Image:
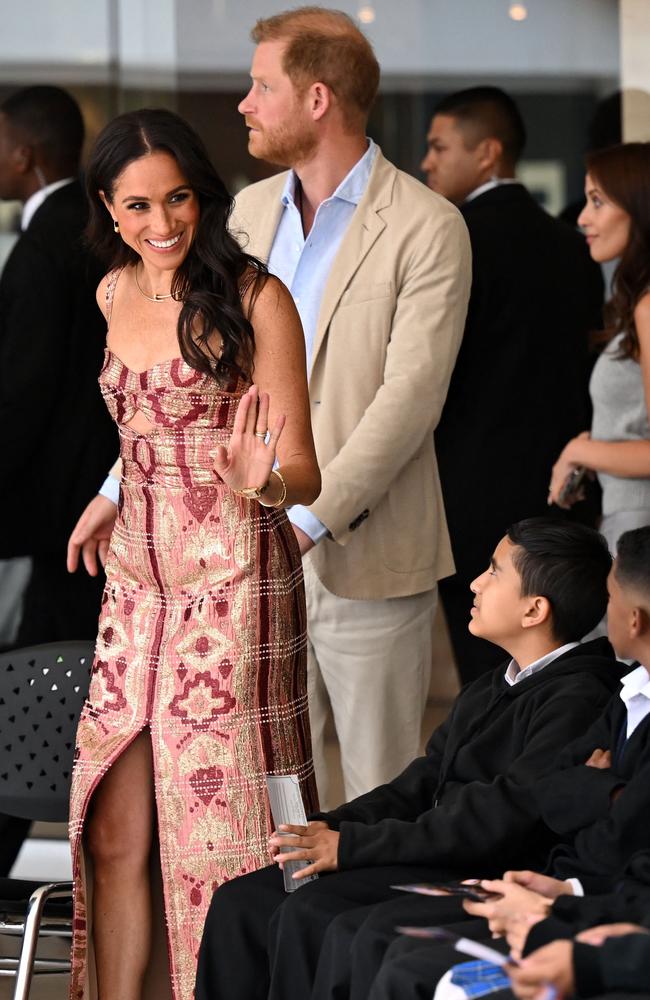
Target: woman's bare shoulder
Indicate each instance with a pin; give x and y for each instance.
(268, 301)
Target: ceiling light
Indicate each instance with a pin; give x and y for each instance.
(366, 14)
(518, 12)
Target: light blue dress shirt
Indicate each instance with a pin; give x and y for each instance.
(304, 263)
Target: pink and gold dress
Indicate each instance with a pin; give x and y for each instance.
(202, 640)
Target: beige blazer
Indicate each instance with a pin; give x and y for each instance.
(389, 329)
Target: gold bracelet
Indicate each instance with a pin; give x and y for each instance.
(283, 497)
(252, 492)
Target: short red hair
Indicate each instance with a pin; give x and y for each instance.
(326, 46)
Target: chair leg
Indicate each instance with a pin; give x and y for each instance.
(35, 907)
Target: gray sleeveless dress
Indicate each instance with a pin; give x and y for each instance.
(620, 413)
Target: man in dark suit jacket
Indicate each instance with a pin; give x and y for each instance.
(520, 386)
(56, 433)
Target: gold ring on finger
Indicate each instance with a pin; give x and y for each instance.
(261, 434)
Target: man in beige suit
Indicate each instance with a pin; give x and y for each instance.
(379, 268)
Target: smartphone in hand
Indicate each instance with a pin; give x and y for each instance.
(466, 890)
(571, 490)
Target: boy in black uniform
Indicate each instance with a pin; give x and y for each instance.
(457, 809)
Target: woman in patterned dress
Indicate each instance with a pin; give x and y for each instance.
(198, 687)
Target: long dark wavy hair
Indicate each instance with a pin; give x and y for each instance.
(216, 272)
(623, 173)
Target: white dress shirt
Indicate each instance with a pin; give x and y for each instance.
(635, 695)
(35, 200)
(494, 182)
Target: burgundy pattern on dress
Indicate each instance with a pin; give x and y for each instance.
(202, 640)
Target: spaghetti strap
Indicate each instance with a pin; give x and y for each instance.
(110, 292)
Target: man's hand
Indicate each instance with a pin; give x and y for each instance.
(315, 843)
(548, 966)
(516, 902)
(305, 543)
(602, 759)
(542, 884)
(92, 534)
(596, 935)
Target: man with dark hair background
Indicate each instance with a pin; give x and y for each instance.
(520, 382)
(57, 437)
(55, 428)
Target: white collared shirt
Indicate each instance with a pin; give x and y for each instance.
(35, 200)
(635, 695)
(494, 182)
(514, 674)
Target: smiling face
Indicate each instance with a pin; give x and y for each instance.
(452, 169)
(499, 609)
(157, 210)
(280, 129)
(606, 225)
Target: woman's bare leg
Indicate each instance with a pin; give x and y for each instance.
(120, 832)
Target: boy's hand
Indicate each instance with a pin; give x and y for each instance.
(548, 966)
(596, 935)
(516, 902)
(543, 884)
(602, 759)
(315, 843)
(518, 931)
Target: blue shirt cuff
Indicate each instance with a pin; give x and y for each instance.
(111, 489)
(307, 522)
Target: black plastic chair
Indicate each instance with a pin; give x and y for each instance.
(42, 690)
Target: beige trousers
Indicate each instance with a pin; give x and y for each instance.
(371, 660)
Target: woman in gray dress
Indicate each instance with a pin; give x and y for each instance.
(616, 222)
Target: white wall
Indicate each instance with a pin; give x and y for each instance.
(576, 37)
(568, 38)
(635, 69)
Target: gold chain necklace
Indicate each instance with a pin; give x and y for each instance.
(152, 298)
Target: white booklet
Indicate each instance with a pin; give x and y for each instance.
(287, 807)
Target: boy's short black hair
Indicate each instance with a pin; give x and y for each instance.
(633, 560)
(492, 114)
(568, 564)
(51, 121)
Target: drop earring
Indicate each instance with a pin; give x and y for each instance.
(116, 226)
